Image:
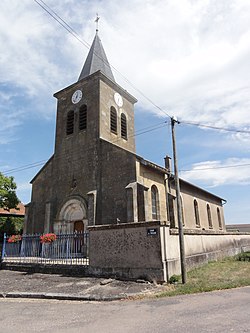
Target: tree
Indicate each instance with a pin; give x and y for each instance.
(8, 197)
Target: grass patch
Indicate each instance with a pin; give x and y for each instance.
(224, 274)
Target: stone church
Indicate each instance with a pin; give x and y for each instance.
(95, 176)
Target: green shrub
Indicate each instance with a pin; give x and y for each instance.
(244, 256)
(174, 279)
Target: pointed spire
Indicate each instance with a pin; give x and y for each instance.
(96, 59)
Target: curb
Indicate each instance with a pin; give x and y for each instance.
(65, 297)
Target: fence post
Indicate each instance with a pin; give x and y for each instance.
(4, 246)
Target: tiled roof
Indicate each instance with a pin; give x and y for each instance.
(13, 212)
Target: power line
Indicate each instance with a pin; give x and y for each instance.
(24, 167)
(215, 127)
(66, 26)
(62, 23)
(39, 163)
(145, 130)
(217, 167)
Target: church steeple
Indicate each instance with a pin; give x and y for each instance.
(96, 61)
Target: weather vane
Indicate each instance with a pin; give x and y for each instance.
(96, 21)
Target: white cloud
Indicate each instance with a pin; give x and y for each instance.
(23, 186)
(232, 171)
(190, 57)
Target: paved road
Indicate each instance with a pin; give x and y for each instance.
(220, 312)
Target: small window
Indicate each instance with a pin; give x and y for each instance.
(219, 218)
(83, 117)
(155, 202)
(209, 217)
(113, 120)
(196, 214)
(124, 126)
(70, 122)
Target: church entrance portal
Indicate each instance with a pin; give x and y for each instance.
(72, 217)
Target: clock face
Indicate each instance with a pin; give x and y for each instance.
(118, 99)
(76, 97)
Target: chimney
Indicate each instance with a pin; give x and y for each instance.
(168, 165)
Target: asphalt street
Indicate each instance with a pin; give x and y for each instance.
(220, 312)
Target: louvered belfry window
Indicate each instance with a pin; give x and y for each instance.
(83, 117)
(70, 123)
(124, 134)
(113, 120)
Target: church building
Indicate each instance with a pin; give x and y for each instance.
(95, 176)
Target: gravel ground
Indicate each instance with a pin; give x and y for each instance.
(23, 282)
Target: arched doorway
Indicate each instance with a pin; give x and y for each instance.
(72, 217)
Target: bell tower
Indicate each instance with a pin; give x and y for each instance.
(93, 108)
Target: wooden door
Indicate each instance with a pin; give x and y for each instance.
(78, 226)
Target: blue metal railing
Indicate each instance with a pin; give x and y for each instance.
(66, 249)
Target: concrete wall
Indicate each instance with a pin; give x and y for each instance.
(131, 250)
(200, 247)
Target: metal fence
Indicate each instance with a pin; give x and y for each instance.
(69, 249)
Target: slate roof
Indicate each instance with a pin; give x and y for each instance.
(96, 61)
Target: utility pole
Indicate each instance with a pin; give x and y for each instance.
(179, 208)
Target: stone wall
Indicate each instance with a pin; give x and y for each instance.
(131, 250)
(117, 170)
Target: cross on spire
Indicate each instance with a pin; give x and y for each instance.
(96, 21)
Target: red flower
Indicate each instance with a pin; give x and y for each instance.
(14, 238)
(48, 238)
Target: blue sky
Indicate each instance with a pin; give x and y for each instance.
(191, 58)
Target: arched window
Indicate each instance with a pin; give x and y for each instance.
(70, 122)
(83, 117)
(124, 126)
(219, 218)
(196, 214)
(209, 217)
(113, 120)
(170, 210)
(155, 202)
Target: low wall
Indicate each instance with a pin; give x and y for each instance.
(146, 250)
(150, 250)
(131, 251)
(202, 247)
